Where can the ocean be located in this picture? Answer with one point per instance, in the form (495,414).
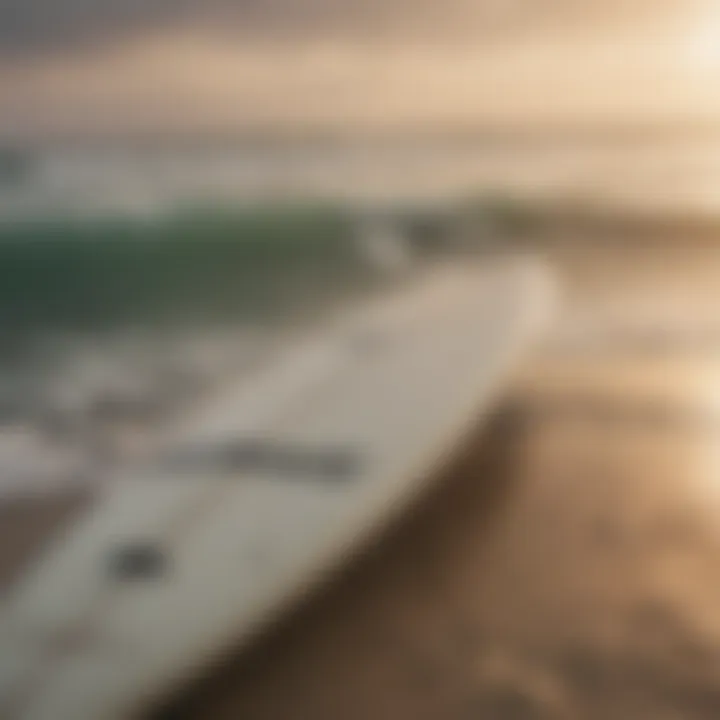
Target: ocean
(643,167)
(136,277)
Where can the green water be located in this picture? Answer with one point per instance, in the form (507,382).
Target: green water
(187,266)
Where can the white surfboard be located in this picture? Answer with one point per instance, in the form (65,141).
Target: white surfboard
(260,494)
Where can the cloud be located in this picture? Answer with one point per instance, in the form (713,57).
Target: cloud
(39,26)
(30,26)
(211,66)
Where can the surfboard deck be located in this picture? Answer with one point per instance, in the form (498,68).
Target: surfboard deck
(261,493)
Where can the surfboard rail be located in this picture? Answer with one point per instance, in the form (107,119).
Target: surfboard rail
(262,492)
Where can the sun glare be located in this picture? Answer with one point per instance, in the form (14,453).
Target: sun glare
(703,40)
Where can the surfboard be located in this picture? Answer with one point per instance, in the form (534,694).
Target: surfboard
(261,493)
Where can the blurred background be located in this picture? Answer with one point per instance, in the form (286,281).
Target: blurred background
(184,189)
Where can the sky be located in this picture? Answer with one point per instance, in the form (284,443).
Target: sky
(106,67)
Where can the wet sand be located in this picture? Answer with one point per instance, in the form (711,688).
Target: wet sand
(567,566)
